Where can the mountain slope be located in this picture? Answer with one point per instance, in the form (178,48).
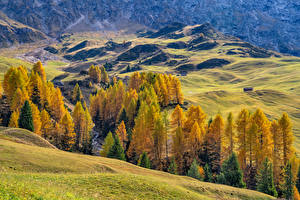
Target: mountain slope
(12,32)
(72,176)
(269,24)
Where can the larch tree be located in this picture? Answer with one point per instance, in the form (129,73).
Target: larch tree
(194,114)
(242,124)
(104,75)
(67,132)
(14,78)
(25,118)
(79,123)
(177,118)
(230,133)
(214,143)
(46,124)
(18,99)
(178,146)
(1,90)
(178,93)
(264,136)
(14,118)
(122,134)
(159,140)
(36,119)
(135,81)
(277,154)
(88,127)
(95,74)
(285,126)
(166,123)
(38,68)
(57,108)
(252,144)
(195,140)
(77,94)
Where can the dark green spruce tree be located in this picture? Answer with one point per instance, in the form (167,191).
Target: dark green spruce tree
(232,173)
(172,167)
(144,161)
(194,170)
(288,188)
(123,117)
(116,151)
(298,179)
(25,119)
(265,181)
(207,174)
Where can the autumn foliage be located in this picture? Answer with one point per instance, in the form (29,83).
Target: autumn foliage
(148,118)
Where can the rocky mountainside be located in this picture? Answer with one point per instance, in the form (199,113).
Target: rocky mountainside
(12,32)
(271,24)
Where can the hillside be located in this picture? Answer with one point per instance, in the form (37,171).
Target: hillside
(73,176)
(13,32)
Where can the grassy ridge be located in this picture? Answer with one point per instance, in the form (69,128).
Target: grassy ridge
(63,175)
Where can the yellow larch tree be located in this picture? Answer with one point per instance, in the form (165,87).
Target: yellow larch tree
(277,154)
(36,118)
(14,120)
(122,134)
(68,135)
(265,139)
(178,145)
(39,69)
(285,127)
(46,125)
(177,91)
(214,143)
(230,135)
(194,114)
(177,118)
(195,140)
(252,144)
(18,99)
(242,124)
(57,108)
(14,78)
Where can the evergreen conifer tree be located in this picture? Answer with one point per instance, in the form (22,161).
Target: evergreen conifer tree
(265,182)
(116,151)
(108,143)
(298,179)
(194,171)
(144,161)
(232,173)
(25,119)
(288,189)
(172,167)
(207,174)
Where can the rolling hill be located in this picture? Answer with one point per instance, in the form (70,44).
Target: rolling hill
(27,163)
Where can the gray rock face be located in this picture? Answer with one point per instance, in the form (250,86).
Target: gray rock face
(12,32)
(272,24)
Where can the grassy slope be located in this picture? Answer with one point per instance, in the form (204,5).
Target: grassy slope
(6,63)
(24,168)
